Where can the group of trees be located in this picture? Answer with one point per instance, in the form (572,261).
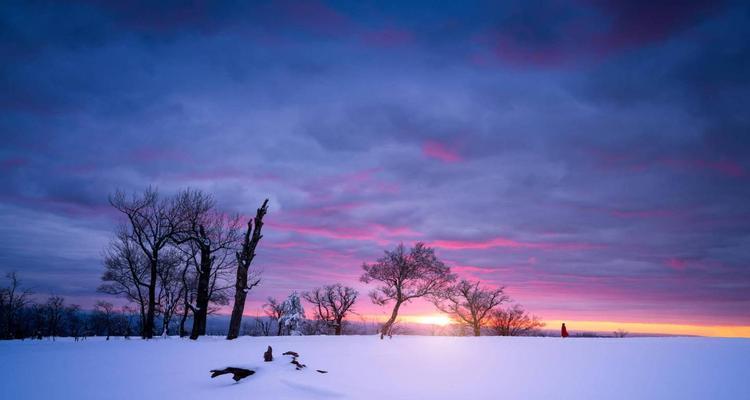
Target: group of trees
(176,256)
(21,317)
(331,304)
(403,276)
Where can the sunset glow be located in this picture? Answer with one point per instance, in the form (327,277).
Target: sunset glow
(607,327)
(603,327)
(437,319)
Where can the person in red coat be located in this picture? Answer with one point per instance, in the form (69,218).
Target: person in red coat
(564,331)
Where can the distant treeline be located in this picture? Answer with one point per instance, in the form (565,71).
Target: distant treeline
(23,317)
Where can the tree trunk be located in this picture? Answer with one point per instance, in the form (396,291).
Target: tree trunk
(183,333)
(143,320)
(244,260)
(185,302)
(165,324)
(201,300)
(240,294)
(337,330)
(386,329)
(477,330)
(148,328)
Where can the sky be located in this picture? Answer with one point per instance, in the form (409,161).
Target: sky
(593,157)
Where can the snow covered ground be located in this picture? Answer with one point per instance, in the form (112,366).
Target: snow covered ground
(364,367)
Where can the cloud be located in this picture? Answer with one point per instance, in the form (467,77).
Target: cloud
(441,152)
(602,140)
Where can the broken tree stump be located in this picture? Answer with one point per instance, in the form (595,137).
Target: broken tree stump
(237,373)
(268,355)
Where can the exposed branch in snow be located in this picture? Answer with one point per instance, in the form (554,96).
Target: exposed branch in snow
(237,373)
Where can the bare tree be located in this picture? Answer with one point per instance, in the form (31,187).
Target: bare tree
(126,273)
(275,310)
(3,309)
(620,333)
(263,325)
(188,279)
(514,321)
(104,316)
(246,279)
(315,327)
(74,320)
(406,276)
(54,312)
(332,303)
(217,283)
(154,223)
(470,304)
(128,316)
(12,300)
(170,287)
(215,235)
(210,283)
(38,320)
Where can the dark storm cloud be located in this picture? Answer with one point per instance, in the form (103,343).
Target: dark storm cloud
(591,157)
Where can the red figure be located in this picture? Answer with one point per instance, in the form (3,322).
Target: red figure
(564,331)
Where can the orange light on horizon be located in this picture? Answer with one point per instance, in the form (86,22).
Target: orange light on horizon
(577,326)
(737,331)
(437,319)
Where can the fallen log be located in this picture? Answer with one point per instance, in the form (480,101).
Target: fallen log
(237,373)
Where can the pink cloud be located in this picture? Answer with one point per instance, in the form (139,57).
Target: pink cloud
(315,16)
(520,55)
(329,210)
(723,167)
(473,272)
(358,182)
(508,243)
(577,40)
(646,214)
(638,25)
(678,264)
(12,163)
(388,37)
(441,152)
(378,233)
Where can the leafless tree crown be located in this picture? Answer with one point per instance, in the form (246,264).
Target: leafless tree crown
(404,275)
(514,321)
(332,303)
(470,304)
